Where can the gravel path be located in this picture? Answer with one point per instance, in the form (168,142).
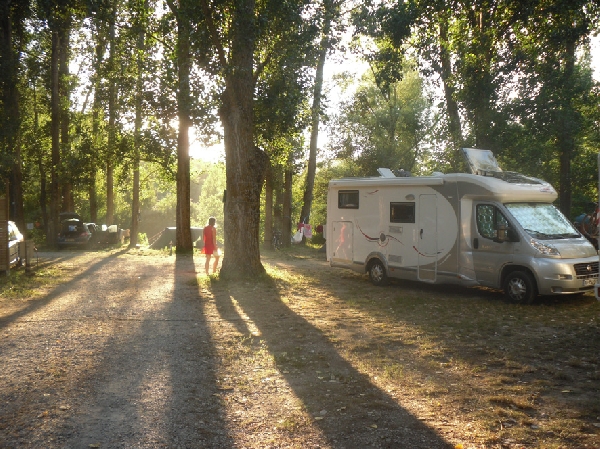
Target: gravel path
(133,353)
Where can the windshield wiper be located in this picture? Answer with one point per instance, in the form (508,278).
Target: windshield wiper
(544,235)
(569,235)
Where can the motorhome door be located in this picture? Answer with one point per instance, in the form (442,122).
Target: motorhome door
(427,238)
(489,255)
(342,242)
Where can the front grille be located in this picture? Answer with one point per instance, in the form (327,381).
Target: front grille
(586,270)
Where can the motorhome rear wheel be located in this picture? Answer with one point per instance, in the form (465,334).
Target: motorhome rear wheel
(377,273)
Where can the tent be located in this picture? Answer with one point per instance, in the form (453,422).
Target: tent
(168,235)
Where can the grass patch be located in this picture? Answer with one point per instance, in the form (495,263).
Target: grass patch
(20,285)
(501,366)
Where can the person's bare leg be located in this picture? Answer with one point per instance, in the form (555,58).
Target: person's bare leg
(215,264)
(207,264)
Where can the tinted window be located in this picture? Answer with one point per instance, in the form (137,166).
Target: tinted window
(348,199)
(402,212)
(488,220)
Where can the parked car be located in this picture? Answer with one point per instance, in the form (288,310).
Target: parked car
(74,232)
(14,245)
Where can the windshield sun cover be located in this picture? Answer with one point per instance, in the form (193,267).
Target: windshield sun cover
(542,221)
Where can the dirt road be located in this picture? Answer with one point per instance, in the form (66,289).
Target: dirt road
(132,353)
(140,350)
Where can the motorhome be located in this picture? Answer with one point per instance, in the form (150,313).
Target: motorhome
(485,228)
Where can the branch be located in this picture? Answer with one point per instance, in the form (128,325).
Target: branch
(173,9)
(214,35)
(261,66)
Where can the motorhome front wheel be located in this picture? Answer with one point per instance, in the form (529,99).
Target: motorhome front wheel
(377,273)
(520,288)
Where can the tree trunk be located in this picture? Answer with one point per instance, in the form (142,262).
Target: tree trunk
(112,100)
(96,138)
(139,86)
(93,199)
(245,164)
(567,130)
(40,163)
(55,136)
(16,188)
(43,195)
(286,235)
(269,206)
(10,124)
(454,125)
(278,198)
(184,236)
(316,114)
(68,204)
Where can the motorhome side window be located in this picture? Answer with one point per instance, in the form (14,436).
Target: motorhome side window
(348,199)
(489,218)
(402,212)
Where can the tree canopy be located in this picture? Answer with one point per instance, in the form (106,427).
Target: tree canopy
(98,97)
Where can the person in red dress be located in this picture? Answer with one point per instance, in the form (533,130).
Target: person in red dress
(209,235)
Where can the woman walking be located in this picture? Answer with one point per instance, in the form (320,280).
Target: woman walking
(209,235)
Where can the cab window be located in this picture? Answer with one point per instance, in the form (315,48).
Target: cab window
(489,218)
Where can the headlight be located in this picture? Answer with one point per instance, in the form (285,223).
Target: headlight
(544,248)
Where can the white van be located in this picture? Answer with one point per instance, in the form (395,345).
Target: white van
(489,228)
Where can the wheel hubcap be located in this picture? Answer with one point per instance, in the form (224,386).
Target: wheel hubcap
(518,289)
(377,272)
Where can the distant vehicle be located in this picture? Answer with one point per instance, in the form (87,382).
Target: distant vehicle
(14,243)
(74,232)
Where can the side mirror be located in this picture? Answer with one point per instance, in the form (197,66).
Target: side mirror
(502,234)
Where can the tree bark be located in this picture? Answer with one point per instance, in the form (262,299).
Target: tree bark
(139,86)
(316,114)
(10,122)
(245,164)
(286,234)
(43,200)
(269,206)
(112,112)
(68,203)
(567,129)
(55,137)
(96,109)
(454,125)
(183,233)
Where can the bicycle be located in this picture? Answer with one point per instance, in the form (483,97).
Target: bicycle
(276,243)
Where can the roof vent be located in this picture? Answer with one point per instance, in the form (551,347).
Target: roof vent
(386,173)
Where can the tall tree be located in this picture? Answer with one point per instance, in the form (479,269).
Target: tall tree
(56,25)
(141,12)
(183,233)
(112,114)
(236,28)
(383,126)
(12,17)
(331,12)
(558,29)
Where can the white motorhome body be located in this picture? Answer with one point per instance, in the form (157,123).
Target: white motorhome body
(496,231)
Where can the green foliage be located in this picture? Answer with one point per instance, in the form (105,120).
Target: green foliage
(327,171)
(510,80)
(509,73)
(209,202)
(383,127)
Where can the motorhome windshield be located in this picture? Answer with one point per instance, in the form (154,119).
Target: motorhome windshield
(542,221)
